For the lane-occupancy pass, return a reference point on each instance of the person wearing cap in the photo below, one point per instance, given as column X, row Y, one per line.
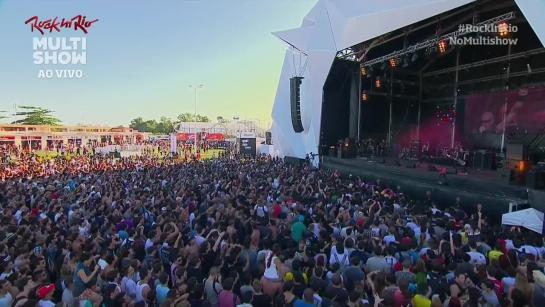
column 45, row 294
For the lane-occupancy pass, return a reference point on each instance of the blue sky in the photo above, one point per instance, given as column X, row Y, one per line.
column 142, row 55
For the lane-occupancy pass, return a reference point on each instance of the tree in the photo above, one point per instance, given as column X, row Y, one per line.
column 185, row 118
column 36, row 116
column 202, row 118
column 222, row 120
column 138, row 124
column 188, row 117
column 165, row 125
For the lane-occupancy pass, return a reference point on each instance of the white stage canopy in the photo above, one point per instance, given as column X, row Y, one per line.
column 334, row 25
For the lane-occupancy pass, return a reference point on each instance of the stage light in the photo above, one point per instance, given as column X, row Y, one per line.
column 522, row 166
column 378, row 83
column 363, row 71
column 442, row 47
column 392, row 62
column 503, row 29
column 364, row 96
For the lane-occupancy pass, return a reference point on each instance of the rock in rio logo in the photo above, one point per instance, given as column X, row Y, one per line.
column 78, row 22
column 59, row 50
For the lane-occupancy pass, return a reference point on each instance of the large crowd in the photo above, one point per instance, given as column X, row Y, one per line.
column 237, row 232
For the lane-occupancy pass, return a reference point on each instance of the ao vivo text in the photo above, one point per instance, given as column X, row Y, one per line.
column 60, row 73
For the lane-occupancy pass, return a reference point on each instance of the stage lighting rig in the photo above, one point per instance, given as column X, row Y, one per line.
column 378, row 82
column 393, row 63
column 503, row 29
column 443, row 46
column 364, row 96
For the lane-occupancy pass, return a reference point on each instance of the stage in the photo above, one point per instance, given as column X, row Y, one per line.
column 491, row 188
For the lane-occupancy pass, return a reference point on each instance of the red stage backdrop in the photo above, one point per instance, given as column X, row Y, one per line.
column 522, row 110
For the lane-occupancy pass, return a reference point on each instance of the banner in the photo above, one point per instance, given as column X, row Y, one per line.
column 173, row 143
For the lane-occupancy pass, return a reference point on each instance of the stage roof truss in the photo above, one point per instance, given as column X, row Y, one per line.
column 434, row 41
column 383, row 39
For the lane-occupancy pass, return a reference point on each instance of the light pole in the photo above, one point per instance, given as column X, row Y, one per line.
column 195, row 87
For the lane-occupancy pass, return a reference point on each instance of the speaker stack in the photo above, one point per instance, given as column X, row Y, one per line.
column 268, row 138
column 295, row 91
column 484, row 160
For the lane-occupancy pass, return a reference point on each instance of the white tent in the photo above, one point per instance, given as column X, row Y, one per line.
column 528, row 218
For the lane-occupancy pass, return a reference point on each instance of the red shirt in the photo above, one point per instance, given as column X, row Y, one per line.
column 277, row 210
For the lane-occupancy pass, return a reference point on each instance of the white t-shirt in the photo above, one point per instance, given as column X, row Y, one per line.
column 148, row 244
column 5, row 275
column 389, row 239
column 342, row 259
column 68, row 298
column 509, row 244
column 390, row 260
column 529, row 249
column 199, row 239
column 375, row 232
column 261, row 210
column 476, row 258
column 18, row 216
column 47, row 303
column 102, row 263
column 415, row 228
column 128, row 286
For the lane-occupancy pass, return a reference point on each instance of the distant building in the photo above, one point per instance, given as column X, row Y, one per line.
column 233, row 128
column 44, row 136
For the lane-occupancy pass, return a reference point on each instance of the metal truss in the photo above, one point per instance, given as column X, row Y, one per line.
column 436, row 40
column 351, row 54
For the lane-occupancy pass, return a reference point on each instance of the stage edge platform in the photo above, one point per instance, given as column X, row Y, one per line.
column 475, row 187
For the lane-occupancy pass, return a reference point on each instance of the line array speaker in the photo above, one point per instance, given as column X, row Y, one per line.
column 295, row 91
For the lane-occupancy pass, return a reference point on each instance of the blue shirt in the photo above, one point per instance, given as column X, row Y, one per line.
column 161, row 292
column 302, row 303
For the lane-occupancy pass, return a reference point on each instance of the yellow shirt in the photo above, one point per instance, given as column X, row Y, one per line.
column 421, row 301
column 494, row 255
column 465, row 239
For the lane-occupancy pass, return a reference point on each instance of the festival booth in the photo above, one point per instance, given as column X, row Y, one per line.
column 531, row 219
column 208, row 137
column 185, row 138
